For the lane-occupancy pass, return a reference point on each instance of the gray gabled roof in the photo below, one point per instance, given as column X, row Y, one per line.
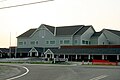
column 96, row 34
column 83, row 51
column 58, row 31
column 114, row 31
column 82, row 30
column 50, row 28
column 67, row 30
column 23, row 50
column 26, row 50
column 27, row 33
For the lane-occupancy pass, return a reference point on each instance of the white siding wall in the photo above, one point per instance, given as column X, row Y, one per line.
column 86, row 36
column 78, row 38
column 102, row 40
column 114, row 39
column 40, row 36
column 23, row 40
column 63, row 38
column 43, row 35
column 94, row 41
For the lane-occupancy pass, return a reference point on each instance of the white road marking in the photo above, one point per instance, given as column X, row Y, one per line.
column 99, row 77
column 27, row 70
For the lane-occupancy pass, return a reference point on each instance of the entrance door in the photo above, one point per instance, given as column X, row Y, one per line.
column 34, row 54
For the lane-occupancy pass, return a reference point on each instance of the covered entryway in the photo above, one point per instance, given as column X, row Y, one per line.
column 49, row 54
column 33, row 52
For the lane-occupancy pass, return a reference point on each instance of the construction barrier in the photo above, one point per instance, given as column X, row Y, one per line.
column 103, row 62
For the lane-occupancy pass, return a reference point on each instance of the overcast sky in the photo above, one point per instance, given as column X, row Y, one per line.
column 99, row 13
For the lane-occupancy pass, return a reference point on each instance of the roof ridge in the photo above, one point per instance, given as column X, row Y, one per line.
column 116, row 32
column 111, row 30
column 50, row 28
column 47, row 25
column 70, row 26
column 25, row 34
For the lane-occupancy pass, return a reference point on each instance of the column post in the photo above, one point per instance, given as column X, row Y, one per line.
column 117, row 57
column 20, row 54
column 89, row 57
column 76, row 57
column 80, row 57
column 45, row 55
column 106, row 57
column 68, row 57
column 52, row 56
column 30, row 54
column 102, row 57
column 37, row 54
column 64, row 56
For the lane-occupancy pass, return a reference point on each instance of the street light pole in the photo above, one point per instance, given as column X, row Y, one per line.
column 10, row 46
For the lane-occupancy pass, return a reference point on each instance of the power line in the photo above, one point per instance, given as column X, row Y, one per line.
column 25, row 4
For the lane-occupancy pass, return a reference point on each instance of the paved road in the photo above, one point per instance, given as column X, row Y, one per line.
column 10, row 70
column 42, row 72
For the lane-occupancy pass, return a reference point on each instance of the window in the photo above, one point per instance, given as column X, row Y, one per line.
column 52, row 42
column 103, row 43
column 36, row 42
column 87, row 42
column 61, row 41
column 20, row 43
column 75, row 42
column 24, row 43
column 47, row 42
column 32, row 42
column 83, row 41
column 66, row 41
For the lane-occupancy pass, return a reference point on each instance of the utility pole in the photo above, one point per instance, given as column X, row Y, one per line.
column 10, row 46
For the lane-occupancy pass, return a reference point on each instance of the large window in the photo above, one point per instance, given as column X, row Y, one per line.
column 37, row 42
column 66, row 41
column 32, row 42
column 24, row 43
column 20, row 43
column 52, row 42
column 83, row 41
column 75, row 41
column 87, row 42
column 47, row 42
column 61, row 41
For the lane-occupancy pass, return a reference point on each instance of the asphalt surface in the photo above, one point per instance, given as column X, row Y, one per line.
column 53, row 72
column 8, row 71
